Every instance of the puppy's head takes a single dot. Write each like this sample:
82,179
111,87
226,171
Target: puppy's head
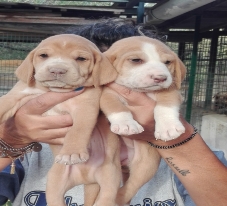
65,62
145,64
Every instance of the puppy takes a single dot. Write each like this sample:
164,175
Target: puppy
63,63
144,65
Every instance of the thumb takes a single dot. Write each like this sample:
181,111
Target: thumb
46,101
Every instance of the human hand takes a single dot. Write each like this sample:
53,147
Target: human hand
142,108
28,125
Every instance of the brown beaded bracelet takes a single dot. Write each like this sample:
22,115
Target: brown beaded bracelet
175,145
7,151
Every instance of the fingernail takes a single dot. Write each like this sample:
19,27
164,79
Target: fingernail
79,88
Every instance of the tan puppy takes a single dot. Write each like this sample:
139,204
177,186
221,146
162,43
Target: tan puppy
63,63
144,65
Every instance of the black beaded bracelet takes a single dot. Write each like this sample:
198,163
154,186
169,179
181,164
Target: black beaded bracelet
175,145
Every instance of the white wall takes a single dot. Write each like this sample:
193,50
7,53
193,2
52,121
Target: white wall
214,131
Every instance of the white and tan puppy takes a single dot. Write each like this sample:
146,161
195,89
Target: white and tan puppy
63,63
147,65
144,65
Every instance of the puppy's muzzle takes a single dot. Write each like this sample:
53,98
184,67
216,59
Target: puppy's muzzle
58,71
159,78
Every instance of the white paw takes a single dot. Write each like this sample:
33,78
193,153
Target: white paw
123,124
126,127
166,131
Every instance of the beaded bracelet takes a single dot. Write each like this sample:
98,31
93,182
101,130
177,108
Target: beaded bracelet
7,151
175,145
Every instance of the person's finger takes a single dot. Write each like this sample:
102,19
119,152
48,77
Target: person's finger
49,135
57,141
137,98
46,101
54,122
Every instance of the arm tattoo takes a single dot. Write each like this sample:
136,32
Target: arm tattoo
170,162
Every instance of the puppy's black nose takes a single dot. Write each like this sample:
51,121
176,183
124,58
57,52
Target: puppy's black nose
160,78
57,71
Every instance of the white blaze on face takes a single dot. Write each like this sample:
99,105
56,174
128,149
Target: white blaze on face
151,52
145,75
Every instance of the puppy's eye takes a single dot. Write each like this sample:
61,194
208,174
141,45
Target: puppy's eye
138,61
82,59
167,62
44,55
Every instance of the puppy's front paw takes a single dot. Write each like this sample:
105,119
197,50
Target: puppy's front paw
73,158
127,127
168,130
122,123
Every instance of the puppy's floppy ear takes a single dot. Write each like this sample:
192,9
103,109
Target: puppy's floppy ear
179,71
111,54
103,71
25,72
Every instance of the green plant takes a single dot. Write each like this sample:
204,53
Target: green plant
8,204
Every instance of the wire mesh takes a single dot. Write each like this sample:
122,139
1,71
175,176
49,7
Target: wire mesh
210,89
13,49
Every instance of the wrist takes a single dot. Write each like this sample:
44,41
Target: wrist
189,133
11,139
7,151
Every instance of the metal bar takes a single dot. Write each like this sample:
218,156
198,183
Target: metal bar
120,1
140,12
181,50
193,69
211,69
132,3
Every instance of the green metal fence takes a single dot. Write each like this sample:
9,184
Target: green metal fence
13,48
210,87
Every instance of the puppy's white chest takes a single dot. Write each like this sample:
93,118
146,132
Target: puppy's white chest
30,90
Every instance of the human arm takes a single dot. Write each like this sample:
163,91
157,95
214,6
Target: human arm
180,187
200,171
28,125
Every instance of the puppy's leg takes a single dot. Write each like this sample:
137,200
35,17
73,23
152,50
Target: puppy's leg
166,114
144,160
58,182
91,192
108,175
10,103
84,112
118,114
15,98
